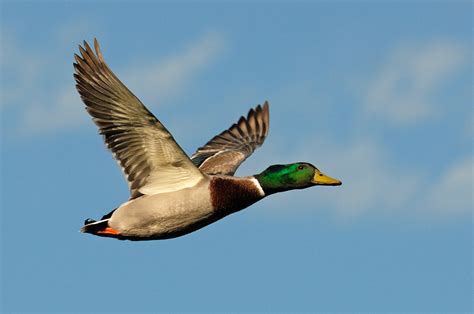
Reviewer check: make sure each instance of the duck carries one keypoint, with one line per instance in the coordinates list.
(171, 194)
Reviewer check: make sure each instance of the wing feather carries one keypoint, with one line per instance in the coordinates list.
(149, 156)
(224, 153)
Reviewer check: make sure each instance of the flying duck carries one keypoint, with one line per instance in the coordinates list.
(171, 194)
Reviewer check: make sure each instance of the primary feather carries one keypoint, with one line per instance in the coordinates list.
(150, 158)
(224, 153)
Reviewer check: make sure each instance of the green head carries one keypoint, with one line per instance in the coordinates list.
(300, 175)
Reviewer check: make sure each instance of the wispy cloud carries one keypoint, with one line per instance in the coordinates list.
(371, 182)
(45, 103)
(452, 192)
(62, 112)
(22, 69)
(374, 185)
(161, 79)
(404, 90)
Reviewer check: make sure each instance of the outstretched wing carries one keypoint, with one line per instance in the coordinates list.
(150, 158)
(224, 153)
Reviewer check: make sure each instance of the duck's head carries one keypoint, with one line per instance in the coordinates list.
(300, 175)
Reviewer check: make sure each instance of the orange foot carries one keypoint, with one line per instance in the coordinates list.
(108, 231)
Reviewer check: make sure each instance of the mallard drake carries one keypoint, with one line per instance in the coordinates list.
(172, 194)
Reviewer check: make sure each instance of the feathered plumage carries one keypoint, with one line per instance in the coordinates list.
(224, 153)
(171, 194)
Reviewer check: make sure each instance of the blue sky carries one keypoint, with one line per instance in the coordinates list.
(379, 96)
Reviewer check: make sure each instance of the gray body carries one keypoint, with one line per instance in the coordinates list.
(173, 214)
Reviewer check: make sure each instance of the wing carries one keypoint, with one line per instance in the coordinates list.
(150, 158)
(224, 153)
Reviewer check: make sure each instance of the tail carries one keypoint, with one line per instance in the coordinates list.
(100, 228)
(92, 226)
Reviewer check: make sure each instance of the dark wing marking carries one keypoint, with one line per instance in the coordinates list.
(225, 152)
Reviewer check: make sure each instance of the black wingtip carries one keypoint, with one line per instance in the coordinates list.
(89, 221)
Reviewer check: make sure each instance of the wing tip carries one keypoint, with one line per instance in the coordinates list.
(98, 51)
(86, 51)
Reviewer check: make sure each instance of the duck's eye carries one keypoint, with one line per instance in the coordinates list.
(320, 174)
(300, 167)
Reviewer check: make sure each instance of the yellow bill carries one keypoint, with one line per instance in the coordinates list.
(322, 179)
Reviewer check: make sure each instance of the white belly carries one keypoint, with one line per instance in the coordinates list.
(164, 215)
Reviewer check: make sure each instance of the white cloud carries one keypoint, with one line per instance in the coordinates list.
(22, 69)
(64, 111)
(165, 78)
(404, 89)
(452, 192)
(47, 103)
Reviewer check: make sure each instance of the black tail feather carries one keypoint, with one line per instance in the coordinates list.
(92, 226)
(109, 214)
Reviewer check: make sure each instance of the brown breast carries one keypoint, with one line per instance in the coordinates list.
(231, 194)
